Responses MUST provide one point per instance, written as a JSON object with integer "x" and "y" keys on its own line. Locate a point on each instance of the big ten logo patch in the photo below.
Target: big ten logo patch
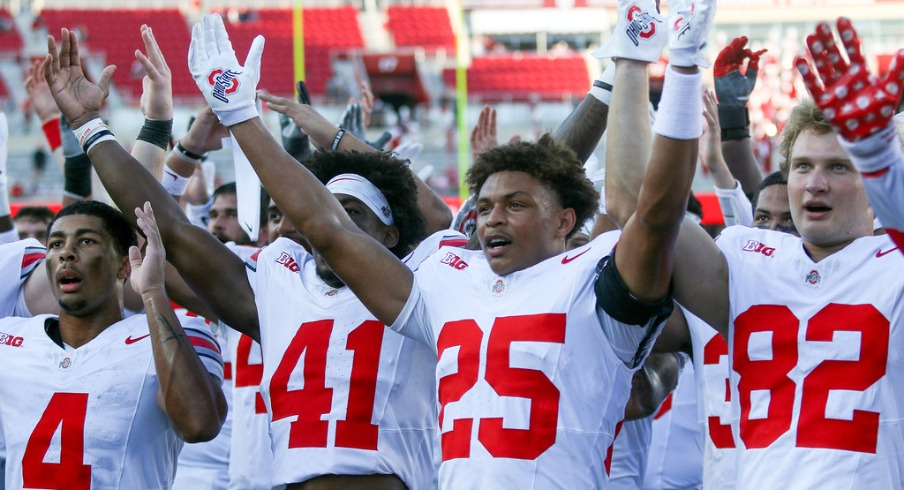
{"x": 454, "y": 261}
{"x": 10, "y": 340}
{"x": 757, "y": 247}
{"x": 287, "y": 261}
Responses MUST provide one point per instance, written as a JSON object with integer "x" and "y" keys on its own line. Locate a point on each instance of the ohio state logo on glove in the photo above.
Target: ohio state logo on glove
{"x": 224, "y": 83}
{"x": 640, "y": 24}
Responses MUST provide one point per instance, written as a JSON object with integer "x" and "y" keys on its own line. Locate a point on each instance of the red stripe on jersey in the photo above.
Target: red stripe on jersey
{"x": 453, "y": 242}
{"x": 896, "y": 236}
{"x": 877, "y": 173}
{"x": 665, "y": 407}
{"x": 205, "y": 343}
{"x": 608, "y": 461}
{"x": 30, "y": 258}
{"x": 227, "y": 370}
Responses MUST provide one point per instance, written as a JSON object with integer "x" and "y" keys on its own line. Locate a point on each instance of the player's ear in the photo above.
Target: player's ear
{"x": 565, "y": 222}
{"x": 125, "y": 268}
{"x": 390, "y": 236}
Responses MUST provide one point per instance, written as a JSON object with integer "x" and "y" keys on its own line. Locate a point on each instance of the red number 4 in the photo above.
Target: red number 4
{"x": 814, "y": 429}
{"x": 505, "y": 380}
{"x": 67, "y": 411}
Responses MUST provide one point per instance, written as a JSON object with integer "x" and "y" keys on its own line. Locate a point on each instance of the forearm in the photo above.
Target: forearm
{"x": 738, "y": 156}
{"x": 150, "y": 156}
{"x": 626, "y": 158}
{"x": 189, "y": 395}
{"x": 736, "y": 208}
{"x": 583, "y": 128}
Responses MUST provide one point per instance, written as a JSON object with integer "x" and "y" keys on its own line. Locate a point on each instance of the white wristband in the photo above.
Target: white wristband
{"x": 680, "y": 113}
{"x": 174, "y": 183}
{"x": 92, "y": 133}
{"x": 602, "y": 86}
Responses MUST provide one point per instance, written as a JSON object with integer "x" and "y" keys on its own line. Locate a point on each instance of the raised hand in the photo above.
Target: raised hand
{"x": 689, "y": 22}
{"x": 732, "y": 87}
{"x": 353, "y": 120}
{"x": 148, "y": 274}
{"x": 308, "y": 120}
{"x": 367, "y": 102}
{"x": 78, "y": 99}
{"x": 483, "y": 136}
{"x": 228, "y": 87}
{"x": 39, "y": 93}
{"x": 856, "y": 102}
{"x": 639, "y": 34}
{"x": 157, "y": 84}
{"x": 205, "y": 134}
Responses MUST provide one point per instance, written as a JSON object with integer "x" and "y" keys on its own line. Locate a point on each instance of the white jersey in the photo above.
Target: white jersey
{"x": 250, "y": 456}
{"x": 17, "y": 261}
{"x": 530, "y": 385}
{"x": 885, "y": 190}
{"x": 816, "y": 387}
{"x": 88, "y": 417}
{"x": 345, "y": 394}
{"x": 714, "y": 412}
{"x": 675, "y": 459}
{"x": 208, "y": 462}
{"x": 630, "y": 452}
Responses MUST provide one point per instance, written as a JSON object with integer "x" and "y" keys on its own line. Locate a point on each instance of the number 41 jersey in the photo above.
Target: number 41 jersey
{"x": 816, "y": 362}
{"x": 346, "y": 395}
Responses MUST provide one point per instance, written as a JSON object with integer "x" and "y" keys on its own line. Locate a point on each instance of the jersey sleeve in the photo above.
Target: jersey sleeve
{"x": 198, "y": 333}
{"x": 736, "y": 208}
{"x": 414, "y": 320}
{"x": 880, "y": 160}
{"x": 630, "y": 325}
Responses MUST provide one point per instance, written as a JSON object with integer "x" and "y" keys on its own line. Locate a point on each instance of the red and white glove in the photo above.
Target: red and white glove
{"x": 228, "y": 87}
{"x": 854, "y": 101}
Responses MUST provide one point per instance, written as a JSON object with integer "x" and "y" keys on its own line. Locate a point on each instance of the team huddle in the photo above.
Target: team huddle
{"x": 372, "y": 345}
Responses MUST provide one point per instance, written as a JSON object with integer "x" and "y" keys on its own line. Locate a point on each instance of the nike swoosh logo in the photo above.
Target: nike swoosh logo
{"x": 567, "y": 259}
{"x": 880, "y": 253}
{"x": 174, "y": 176}
{"x": 130, "y": 340}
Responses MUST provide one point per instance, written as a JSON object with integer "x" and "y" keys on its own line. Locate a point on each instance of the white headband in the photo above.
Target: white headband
{"x": 360, "y": 188}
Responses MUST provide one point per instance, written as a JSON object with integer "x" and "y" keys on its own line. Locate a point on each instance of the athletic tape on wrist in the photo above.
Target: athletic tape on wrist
{"x": 77, "y": 176}
{"x": 680, "y": 113}
{"x": 602, "y": 86}
{"x": 156, "y": 133}
{"x": 174, "y": 183}
{"x": 92, "y": 133}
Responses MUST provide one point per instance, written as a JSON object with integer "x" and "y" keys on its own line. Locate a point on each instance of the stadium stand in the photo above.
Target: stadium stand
{"x": 426, "y": 27}
{"x": 524, "y": 76}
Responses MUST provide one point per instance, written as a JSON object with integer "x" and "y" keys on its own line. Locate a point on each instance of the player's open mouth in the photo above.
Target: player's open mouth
{"x": 69, "y": 281}
{"x": 816, "y": 209}
{"x": 497, "y": 245}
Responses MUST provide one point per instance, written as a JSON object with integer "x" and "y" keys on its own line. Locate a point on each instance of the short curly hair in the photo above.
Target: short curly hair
{"x": 552, "y": 163}
{"x": 805, "y": 116}
{"x": 391, "y": 176}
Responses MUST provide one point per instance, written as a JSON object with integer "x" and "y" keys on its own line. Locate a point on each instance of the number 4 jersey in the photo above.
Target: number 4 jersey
{"x": 346, "y": 395}
{"x": 88, "y": 418}
{"x": 815, "y": 351}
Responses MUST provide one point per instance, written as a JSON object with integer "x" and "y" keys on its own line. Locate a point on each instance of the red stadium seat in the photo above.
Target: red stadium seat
{"x": 426, "y": 27}
{"x": 521, "y": 76}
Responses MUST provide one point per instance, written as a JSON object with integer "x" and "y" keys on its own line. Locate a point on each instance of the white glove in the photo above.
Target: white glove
{"x": 689, "y": 22}
{"x": 639, "y": 34}
{"x": 228, "y": 87}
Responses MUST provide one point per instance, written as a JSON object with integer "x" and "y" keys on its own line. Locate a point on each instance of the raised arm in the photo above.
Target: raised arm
{"x": 156, "y": 105}
{"x": 650, "y": 204}
{"x": 190, "y": 396}
{"x": 735, "y": 206}
{"x": 582, "y": 129}
{"x": 378, "y": 279}
{"x": 203, "y": 261}
{"x": 327, "y": 137}
{"x": 860, "y": 106}
{"x": 733, "y": 90}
